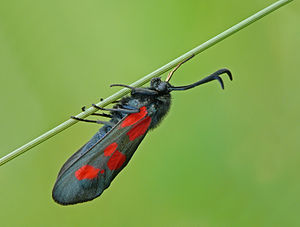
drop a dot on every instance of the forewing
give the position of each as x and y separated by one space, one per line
83 150
88 172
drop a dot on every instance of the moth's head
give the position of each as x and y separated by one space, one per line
160 86
163 87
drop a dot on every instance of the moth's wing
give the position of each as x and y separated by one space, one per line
88 172
84 149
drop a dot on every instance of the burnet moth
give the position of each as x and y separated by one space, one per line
89 171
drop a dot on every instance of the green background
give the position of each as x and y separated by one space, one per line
220 158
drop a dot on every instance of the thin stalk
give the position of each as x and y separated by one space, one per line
145 79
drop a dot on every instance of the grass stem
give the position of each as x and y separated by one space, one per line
145 79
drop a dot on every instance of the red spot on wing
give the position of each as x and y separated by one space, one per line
116 160
139 129
110 149
87 172
134 117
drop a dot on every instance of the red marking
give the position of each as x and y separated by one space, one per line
116 160
87 172
102 171
139 129
134 117
110 149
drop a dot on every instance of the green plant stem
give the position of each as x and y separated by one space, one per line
145 79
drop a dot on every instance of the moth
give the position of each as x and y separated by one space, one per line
89 171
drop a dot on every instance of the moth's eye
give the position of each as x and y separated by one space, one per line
162 87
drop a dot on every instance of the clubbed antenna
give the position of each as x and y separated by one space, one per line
214 76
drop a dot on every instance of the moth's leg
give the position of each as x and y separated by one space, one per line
98 114
179 64
127 111
102 115
114 102
93 121
137 90
144 91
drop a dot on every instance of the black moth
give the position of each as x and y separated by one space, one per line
89 171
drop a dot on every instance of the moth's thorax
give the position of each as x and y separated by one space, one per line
157 106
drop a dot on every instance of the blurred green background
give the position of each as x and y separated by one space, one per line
220 158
